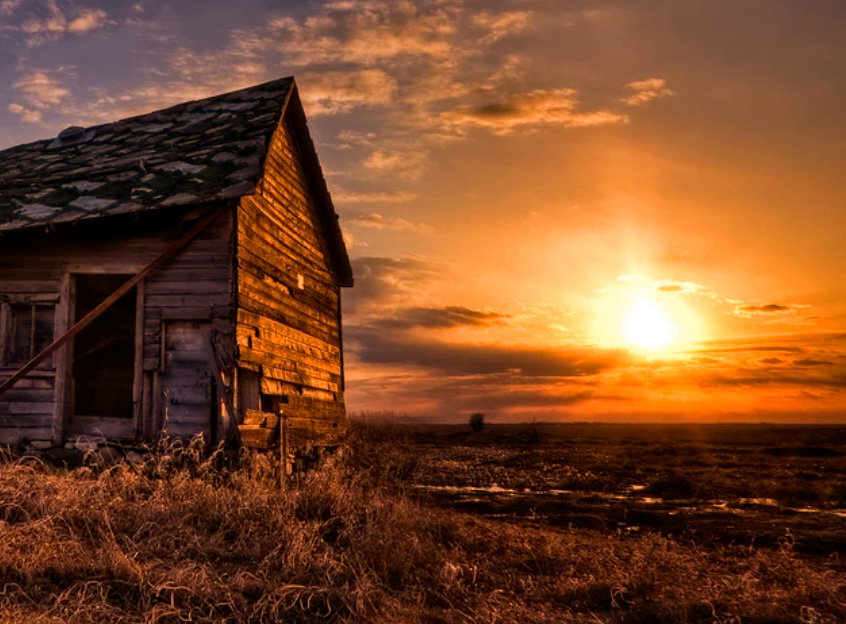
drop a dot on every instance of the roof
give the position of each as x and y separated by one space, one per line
188 154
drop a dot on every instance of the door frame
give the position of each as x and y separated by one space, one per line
65 318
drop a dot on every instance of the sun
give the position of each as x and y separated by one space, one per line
646 326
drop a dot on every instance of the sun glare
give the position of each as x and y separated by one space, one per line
634 314
647 327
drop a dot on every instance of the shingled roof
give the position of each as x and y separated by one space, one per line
187 154
192 153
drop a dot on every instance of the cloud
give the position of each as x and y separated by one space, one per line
439 318
669 286
822 362
378 221
777 310
87 20
775 377
406 163
56 23
643 91
332 92
383 283
355 197
374 345
27 115
40 90
349 139
538 107
365 33
500 25
7 7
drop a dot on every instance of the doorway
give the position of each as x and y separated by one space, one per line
103 362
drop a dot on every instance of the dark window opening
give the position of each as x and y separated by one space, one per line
29 332
272 402
249 394
104 352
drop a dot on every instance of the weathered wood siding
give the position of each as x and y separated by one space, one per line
288 299
196 285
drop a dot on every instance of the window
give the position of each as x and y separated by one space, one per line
28 330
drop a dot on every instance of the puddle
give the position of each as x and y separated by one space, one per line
474 494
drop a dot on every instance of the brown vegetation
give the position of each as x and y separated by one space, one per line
183 538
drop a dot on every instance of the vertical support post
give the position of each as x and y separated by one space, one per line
283 448
62 381
138 375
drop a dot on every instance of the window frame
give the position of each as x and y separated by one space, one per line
10 301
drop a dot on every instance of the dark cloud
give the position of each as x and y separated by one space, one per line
770 377
541 106
376 346
772 360
748 310
812 362
499 395
753 349
449 316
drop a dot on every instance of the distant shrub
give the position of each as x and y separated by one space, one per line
477 421
673 485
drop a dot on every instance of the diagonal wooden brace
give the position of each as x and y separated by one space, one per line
109 301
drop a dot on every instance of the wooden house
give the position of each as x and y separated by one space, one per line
215 218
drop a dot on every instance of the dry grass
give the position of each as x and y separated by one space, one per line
183 539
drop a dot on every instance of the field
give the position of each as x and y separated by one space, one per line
429 525
723 483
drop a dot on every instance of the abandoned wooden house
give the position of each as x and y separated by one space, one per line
202 241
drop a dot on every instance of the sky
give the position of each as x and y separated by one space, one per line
556 210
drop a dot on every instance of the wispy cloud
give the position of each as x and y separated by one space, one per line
330 92
39 91
404 163
643 91
499 25
7 7
379 221
361 197
27 115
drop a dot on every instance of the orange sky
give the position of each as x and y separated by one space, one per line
514 177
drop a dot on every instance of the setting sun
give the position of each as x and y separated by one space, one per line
646 326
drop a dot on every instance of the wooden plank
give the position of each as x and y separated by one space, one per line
257 437
15 435
25 407
93 426
29 286
265 324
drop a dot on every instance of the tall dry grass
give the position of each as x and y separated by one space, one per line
184 538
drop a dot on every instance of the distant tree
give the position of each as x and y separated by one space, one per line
477 421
